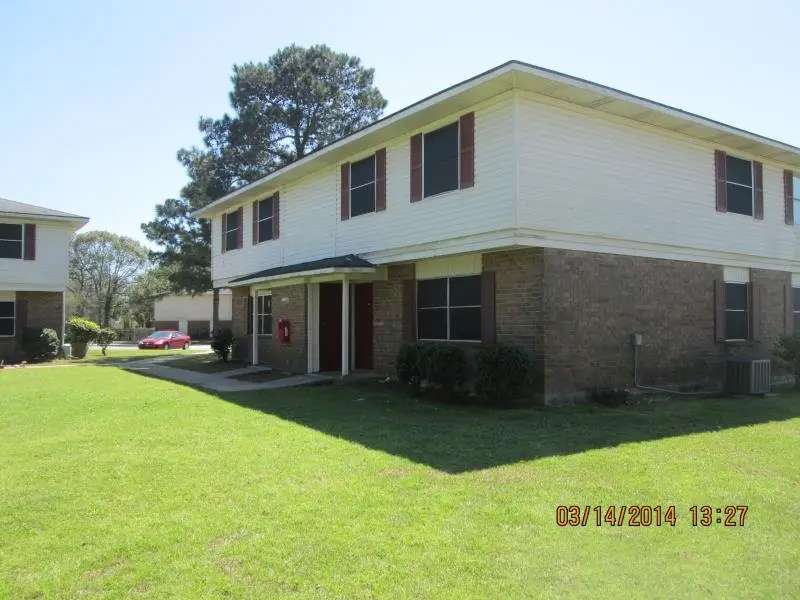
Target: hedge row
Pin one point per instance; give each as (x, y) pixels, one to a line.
(502, 373)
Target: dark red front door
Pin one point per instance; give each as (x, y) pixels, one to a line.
(330, 326)
(362, 324)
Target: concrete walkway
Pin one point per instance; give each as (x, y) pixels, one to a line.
(219, 382)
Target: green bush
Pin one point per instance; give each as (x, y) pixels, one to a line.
(445, 367)
(222, 343)
(39, 344)
(504, 374)
(610, 396)
(787, 355)
(104, 337)
(82, 331)
(410, 363)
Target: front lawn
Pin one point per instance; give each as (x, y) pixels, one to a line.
(205, 363)
(115, 485)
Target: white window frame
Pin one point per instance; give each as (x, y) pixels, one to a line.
(13, 319)
(796, 199)
(358, 187)
(448, 307)
(751, 187)
(227, 231)
(260, 314)
(260, 219)
(21, 242)
(458, 161)
(747, 309)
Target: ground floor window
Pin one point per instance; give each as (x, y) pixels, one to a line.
(737, 322)
(7, 315)
(449, 309)
(263, 315)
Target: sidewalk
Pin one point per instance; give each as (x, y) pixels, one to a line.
(219, 382)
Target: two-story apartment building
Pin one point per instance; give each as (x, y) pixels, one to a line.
(34, 266)
(528, 207)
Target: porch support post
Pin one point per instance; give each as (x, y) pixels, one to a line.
(214, 311)
(254, 319)
(345, 326)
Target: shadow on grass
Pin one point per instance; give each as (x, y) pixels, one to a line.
(460, 439)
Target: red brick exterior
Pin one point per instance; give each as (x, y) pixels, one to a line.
(387, 316)
(43, 309)
(289, 303)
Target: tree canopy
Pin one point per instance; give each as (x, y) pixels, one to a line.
(297, 101)
(102, 268)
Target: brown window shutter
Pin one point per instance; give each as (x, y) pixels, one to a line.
(20, 317)
(345, 203)
(755, 310)
(722, 195)
(255, 222)
(224, 231)
(788, 309)
(276, 215)
(416, 167)
(758, 190)
(380, 180)
(29, 252)
(409, 310)
(719, 310)
(466, 136)
(788, 197)
(240, 227)
(488, 327)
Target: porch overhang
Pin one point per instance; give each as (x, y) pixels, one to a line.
(316, 270)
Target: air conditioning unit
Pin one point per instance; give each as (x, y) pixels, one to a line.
(748, 375)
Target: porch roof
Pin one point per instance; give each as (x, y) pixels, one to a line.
(348, 263)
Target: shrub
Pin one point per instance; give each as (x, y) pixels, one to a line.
(504, 374)
(611, 397)
(82, 331)
(104, 337)
(445, 367)
(787, 354)
(222, 343)
(410, 363)
(39, 344)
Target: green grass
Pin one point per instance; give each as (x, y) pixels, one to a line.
(113, 355)
(115, 485)
(205, 363)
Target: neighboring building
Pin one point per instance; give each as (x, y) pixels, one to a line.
(34, 270)
(528, 207)
(192, 314)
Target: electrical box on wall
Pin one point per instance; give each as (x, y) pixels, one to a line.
(636, 339)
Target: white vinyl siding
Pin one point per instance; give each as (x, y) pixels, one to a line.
(311, 229)
(49, 272)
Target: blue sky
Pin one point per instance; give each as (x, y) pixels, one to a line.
(96, 97)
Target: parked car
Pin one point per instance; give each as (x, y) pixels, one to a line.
(164, 340)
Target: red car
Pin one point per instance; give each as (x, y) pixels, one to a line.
(164, 340)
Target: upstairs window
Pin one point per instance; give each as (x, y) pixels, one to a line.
(266, 213)
(440, 160)
(230, 225)
(7, 316)
(10, 241)
(362, 186)
(449, 309)
(737, 312)
(739, 185)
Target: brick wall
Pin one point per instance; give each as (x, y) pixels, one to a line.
(387, 316)
(44, 309)
(290, 303)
